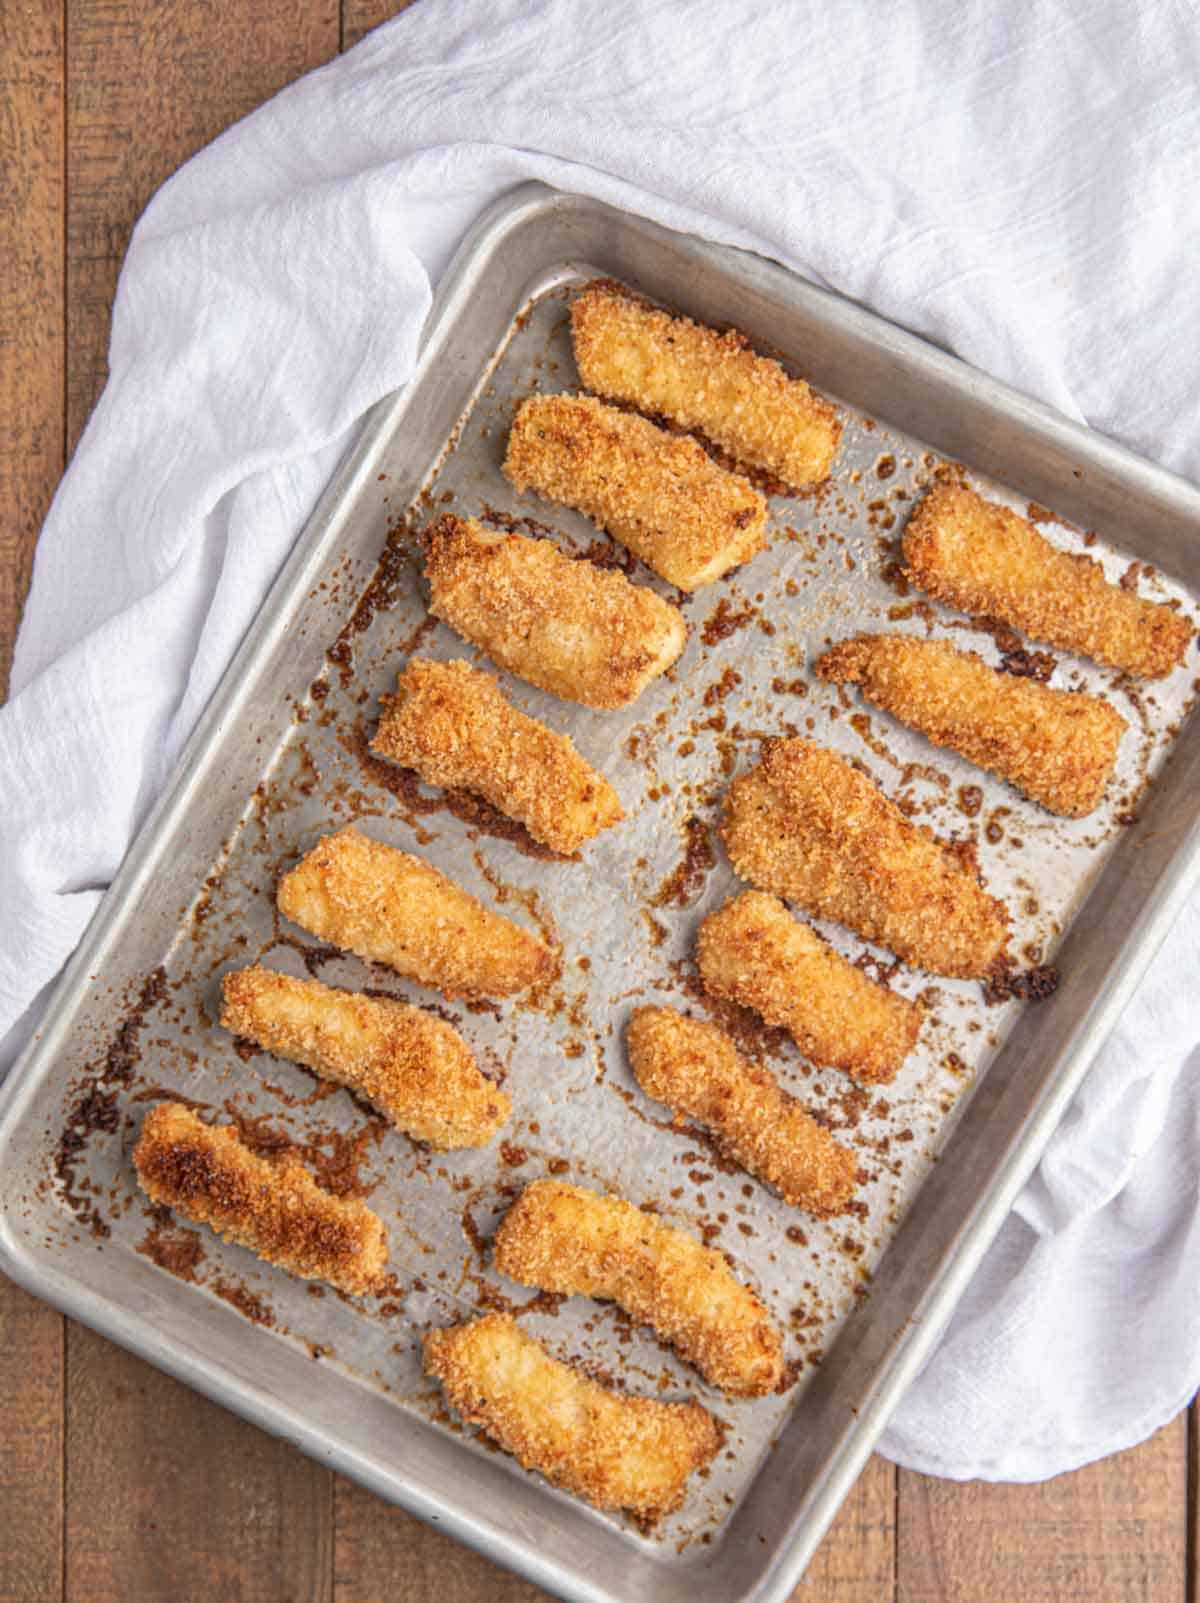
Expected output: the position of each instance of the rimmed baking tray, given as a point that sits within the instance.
(278, 758)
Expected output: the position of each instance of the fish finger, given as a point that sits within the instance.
(454, 725)
(660, 494)
(753, 952)
(614, 1450)
(714, 383)
(980, 557)
(387, 906)
(698, 1072)
(806, 825)
(274, 1207)
(582, 632)
(415, 1068)
(1057, 746)
(566, 1239)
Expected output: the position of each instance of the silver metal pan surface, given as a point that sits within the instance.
(279, 759)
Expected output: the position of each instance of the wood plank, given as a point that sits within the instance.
(360, 16)
(31, 1463)
(856, 1563)
(32, 446)
(1116, 1529)
(170, 1497)
(167, 1496)
(381, 1552)
(32, 355)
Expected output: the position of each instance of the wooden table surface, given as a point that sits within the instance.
(117, 1485)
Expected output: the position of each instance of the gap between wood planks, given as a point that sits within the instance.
(115, 1482)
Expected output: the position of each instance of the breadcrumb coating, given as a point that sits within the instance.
(387, 906)
(1057, 746)
(714, 383)
(454, 725)
(753, 952)
(982, 558)
(581, 632)
(415, 1068)
(697, 1071)
(275, 1208)
(806, 825)
(660, 494)
(614, 1450)
(567, 1239)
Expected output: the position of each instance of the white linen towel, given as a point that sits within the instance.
(1016, 182)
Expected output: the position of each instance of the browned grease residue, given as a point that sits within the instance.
(686, 880)
(724, 621)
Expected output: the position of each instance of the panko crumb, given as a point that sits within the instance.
(1057, 746)
(712, 383)
(454, 725)
(659, 494)
(567, 1239)
(415, 1068)
(981, 557)
(614, 1450)
(695, 1069)
(275, 1208)
(388, 906)
(806, 825)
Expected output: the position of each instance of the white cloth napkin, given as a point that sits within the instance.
(1017, 182)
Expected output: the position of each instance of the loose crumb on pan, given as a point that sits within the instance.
(388, 906)
(806, 825)
(414, 1067)
(612, 1449)
(659, 494)
(1057, 746)
(694, 1068)
(566, 1239)
(981, 557)
(453, 724)
(714, 383)
(579, 631)
(275, 1208)
(753, 952)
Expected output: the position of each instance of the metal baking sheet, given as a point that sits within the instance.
(280, 758)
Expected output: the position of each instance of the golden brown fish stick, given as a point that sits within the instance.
(581, 632)
(454, 725)
(713, 383)
(275, 1208)
(617, 1451)
(698, 1072)
(980, 557)
(660, 494)
(753, 952)
(387, 906)
(1057, 746)
(567, 1239)
(808, 826)
(415, 1068)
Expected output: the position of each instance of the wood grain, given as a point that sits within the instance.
(360, 16)
(32, 338)
(381, 1552)
(856, 1563)
(31, 1449)
(1114, 1530)
(32, 450)
(170, 1497)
